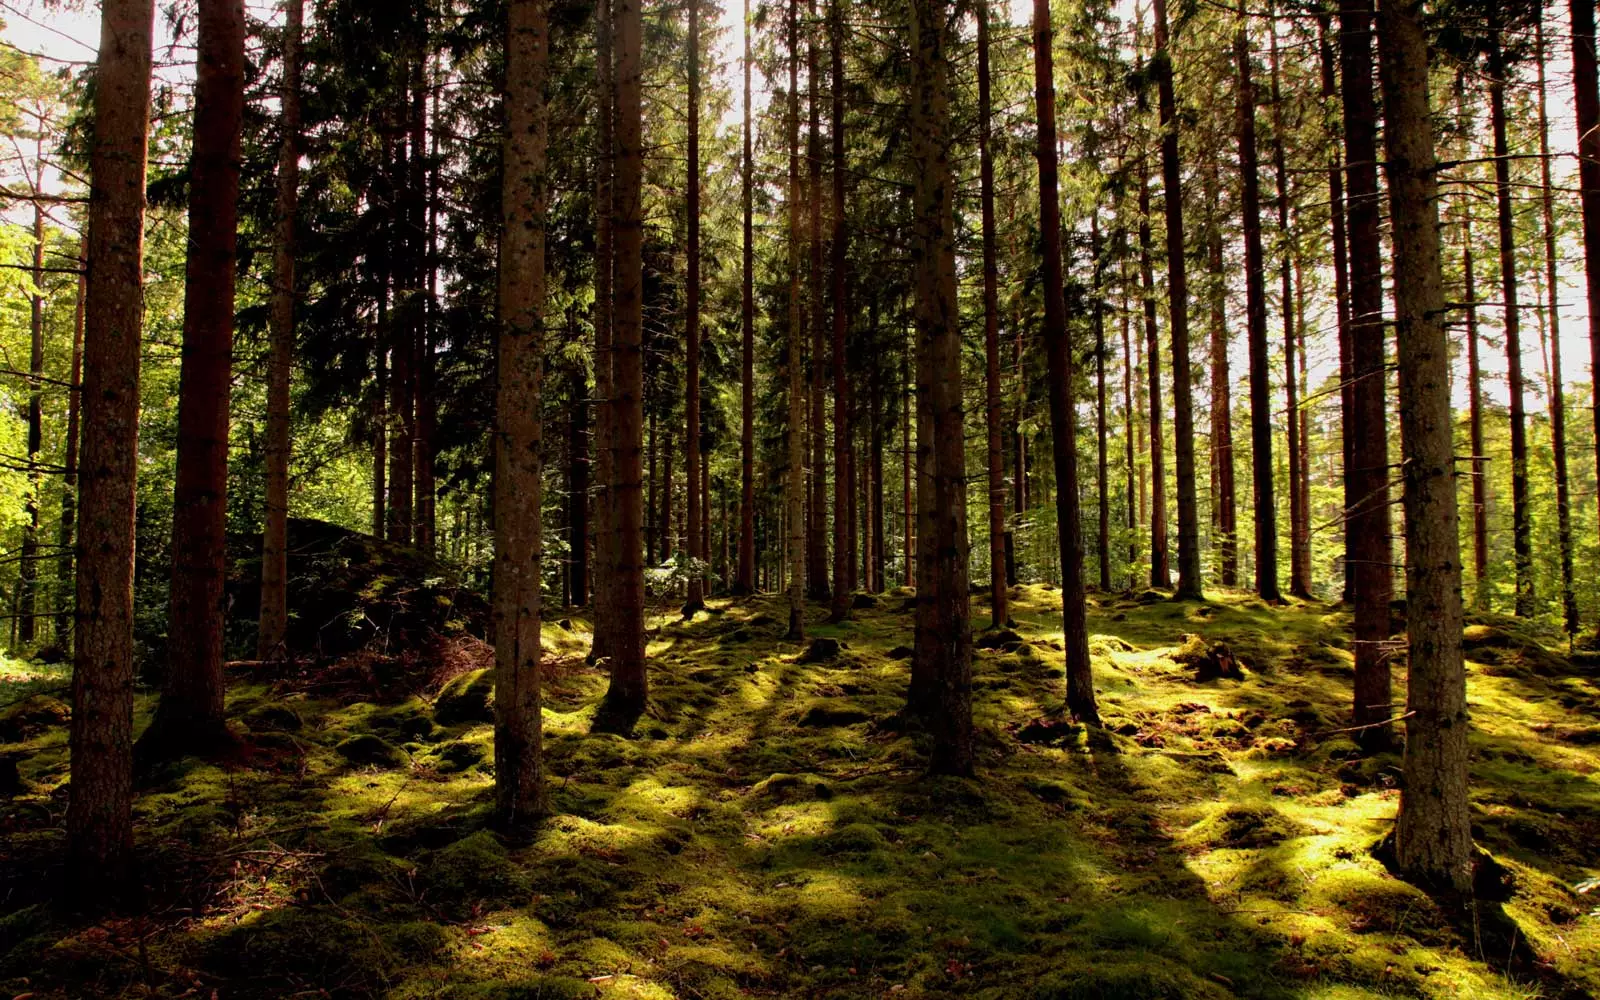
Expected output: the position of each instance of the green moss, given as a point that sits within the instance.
(475, 872)
(468, 698)
(366, 749)
(1119, 977)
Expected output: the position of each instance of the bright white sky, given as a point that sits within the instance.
(70, 31)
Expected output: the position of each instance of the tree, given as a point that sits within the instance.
(1433, 837)
(1063, 420)
(1266, 527)
(607, 625)
(746, 582)
(691, 437)
(190, 714)
(518, 730)
(794, 432)
(943, 647)
(1224, 490)
(817, 508)
(842, 492)
(1586, 102)
(998, 595)
(100, 810)
(1367, 507)
(274, 620)
(1189, 583)
(629, 689)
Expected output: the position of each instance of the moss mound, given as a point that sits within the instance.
(468, 698)
(367, 750)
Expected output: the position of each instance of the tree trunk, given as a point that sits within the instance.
(518, 730)
(1367, 511)
(66, 534)
(944, 634)
(746, 582)
(1102, 463)
(1131, 488)
(1586, 101)
(380, 409)
(998, 596)
(578, 484)
(795, 446)
(274, 621)
(1341, 280)
(402, 446)
(1521, 514)
(190, 715)
(1433, 837)
(1299, 525)
(100, 808)
(427, 391)
(1476, 470)
(1063, 419)
(1189, 582)
(817, 586)
(417, 229)
(629, 688)
(606, 623)
(28, 567)
(691, 438)
(1266, 528)
(908, 538)
(1226, 501)
(1160, 567)
(843, 558)
(1556, 386)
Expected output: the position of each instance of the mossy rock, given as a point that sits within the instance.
(32, 716)
(409, 720)
(902, 653)
(468, 698)
(273, 717)
(1244, 826)
(300, 944)
(997, 639)
(458, 755)
(473, 870)
(854, 840)
(821, 650)
(782, 787)
(366, 749)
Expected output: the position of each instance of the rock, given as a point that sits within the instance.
(821, 650)
(902, 653)
(822, 716)
(459, 755)
(468, 698)
(1150, 597)
(997, 639)
(273, 718)
(907, 605)
(31, 716)
(863, 601)
(375, 751)
(1210, 661)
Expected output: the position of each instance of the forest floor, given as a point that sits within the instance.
(769, 830)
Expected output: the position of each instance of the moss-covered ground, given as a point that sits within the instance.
(769, 831)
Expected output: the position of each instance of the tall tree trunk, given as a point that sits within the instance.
(880, 550)
(1189, 582)
(1226, 501)
(189, 717)
(28, 567)
(1469, 292)
(1341, 277)
(427, 405)
(1367, 511)
(380, 408)
(417, 230)
(908, 537)
(402, 411)
(817, 508)
(746, 582)
(1521, 514)
(606, 623)
(274, 621)
(1063, 419)
(1266, 514)
(67, 532)
(100, 808)
(794, 434)
(518, 729)
(843, 557)
(578, 484)
(944, 633)
(1131, 488)
(1586, 102)
(1160, 567)
(1433, 837)
(629, 688)
(1102, 463)
(691, 438)
(1000, 612)
(1299, 525)
(1556, 387)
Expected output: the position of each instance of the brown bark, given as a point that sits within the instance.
(189, 717)
(794, 433)
(427, 405)
(691, 438)
(274, 620)
(1266, 528)
(518, 729)
(578, 485)
(100, 809)
(1555, 387)
(605, 511)
(1224, 483)
(1433, 837)
(402, 410)
(625, 698)
(1586, 101)
(817, 586)
(1521, 513)
(1102, 462)
(1000, 613)
(1160, 567)
(746, 582)
(1341, 277)
(1469, 292)
(843, 558)
(1063, 421)
(1367, 511)
(422, 481)
(67, 531)
(28, 567)
(1189, 581)
(1131, 487)
(943, 635)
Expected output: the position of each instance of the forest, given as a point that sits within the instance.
(511, 499)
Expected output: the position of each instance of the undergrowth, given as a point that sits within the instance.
(768, 831)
